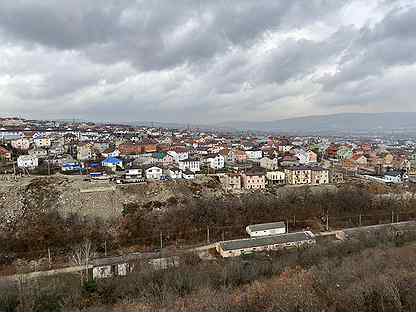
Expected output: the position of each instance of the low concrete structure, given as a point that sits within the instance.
(265, 229)
(240, 247)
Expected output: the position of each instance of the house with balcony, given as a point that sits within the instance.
(253, 180)
(192, 164)
(298, 175)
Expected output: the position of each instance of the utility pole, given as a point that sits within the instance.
(105, 248)
(392, 216)
(49, 165)
(359, 220)
(49, 257)
(327, 221)
(161, 241)
(14, 171)
(208, 234)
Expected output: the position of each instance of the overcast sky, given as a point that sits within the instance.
(205, 61)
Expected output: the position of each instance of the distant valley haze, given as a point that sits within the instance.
(336, 123)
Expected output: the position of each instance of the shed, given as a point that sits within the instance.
(265, 229)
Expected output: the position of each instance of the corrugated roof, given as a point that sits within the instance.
(266, 226)
(265, 241)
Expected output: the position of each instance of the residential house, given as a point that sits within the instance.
(312, 156)
(336, 177)
(284, 148)
(38, 152)
(21, 144)
(231, 181)
(359, 160)
(193, 164)
(237, 155)
(215, 161)
(129, 149)
(27, 162)
(111, 152)
(56, 150)
(112, 162)
(84, 152)
(301, 155)
(254, 154)
(319, 175)
(388, 159)
(42, 142)
(5, 154)
(289, 161)
(344, 152)
(269, 164)
(331, 152)
(179, 153)
(298, 175)
(174, 173)
(188, 175)
(153, 173)
(253, 180)
(163, 158)
(275, 177)
(71, 166)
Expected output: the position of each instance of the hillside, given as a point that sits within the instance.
(336, 123)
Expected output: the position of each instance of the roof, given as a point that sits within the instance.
(112, 160)
(393, 173)
(266, 241)
(294, 168)
(266, 226)
(4, 150)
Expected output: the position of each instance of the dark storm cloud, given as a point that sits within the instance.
(111, 31)
(205, 60)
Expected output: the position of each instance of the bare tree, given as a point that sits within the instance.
(82, 254)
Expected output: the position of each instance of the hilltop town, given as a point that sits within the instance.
(112, 202)
(241, 161)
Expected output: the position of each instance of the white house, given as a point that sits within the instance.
(153, 173)
(174, 173)
(268, 163)
(21, 144)
(192, 164)
(179, 155)
(265, 229)
(254, 154)
(27, 161)
(38, 152)
(215, 161)
(42, 142)
(111, 152)
(188, 175)
(276, 177)
(303, 157)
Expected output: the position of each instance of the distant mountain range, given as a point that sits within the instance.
(336, 123)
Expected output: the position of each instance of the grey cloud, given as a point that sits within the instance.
(391, 42)
(110, 31)
(201, 60)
